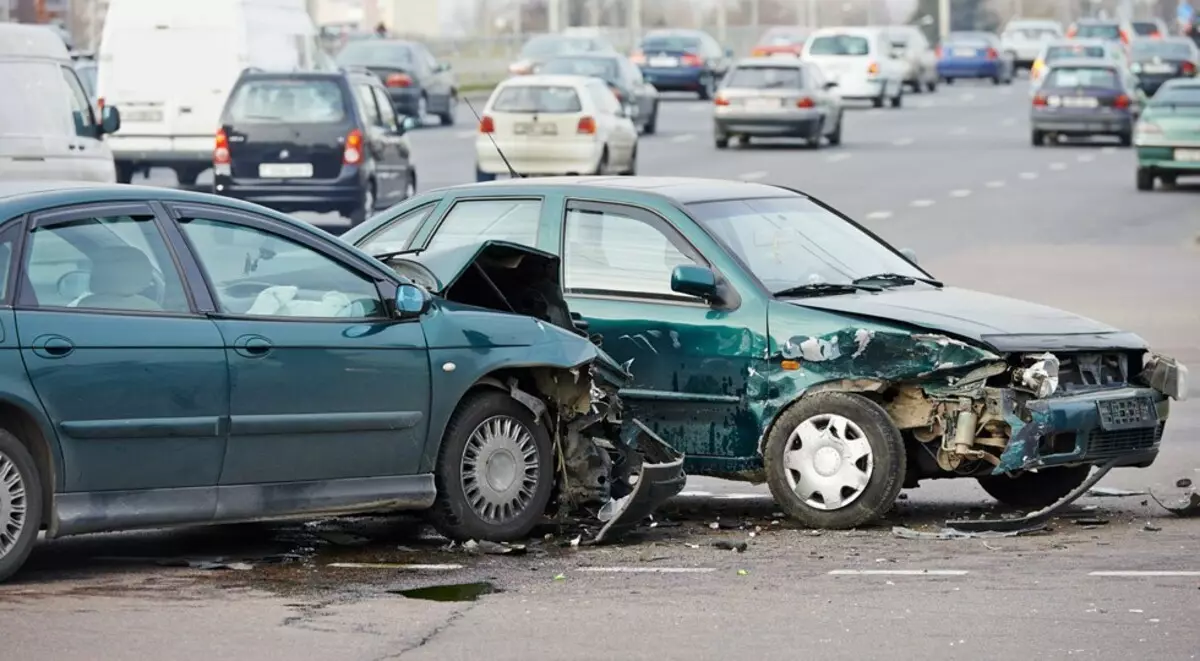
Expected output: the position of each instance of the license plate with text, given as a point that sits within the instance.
(285, 170)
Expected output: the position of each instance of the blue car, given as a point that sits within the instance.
(974, 55)
(682, 61)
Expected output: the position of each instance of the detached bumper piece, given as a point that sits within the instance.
(658, 478)
(1033, 518)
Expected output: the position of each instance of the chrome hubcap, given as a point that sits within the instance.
(500, 469)
(12, 505)
(829, 461)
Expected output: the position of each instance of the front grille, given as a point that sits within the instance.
(1109, 444)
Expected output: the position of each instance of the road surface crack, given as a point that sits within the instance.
(428, 638)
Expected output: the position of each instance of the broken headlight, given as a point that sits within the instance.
(1040, 377)
(1167, 375)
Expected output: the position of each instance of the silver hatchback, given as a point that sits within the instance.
(777, 97)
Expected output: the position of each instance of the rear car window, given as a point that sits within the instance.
(680, 44)
(1082, 77)
(1059, 52)
(967, 41)
(1145, 28)
(375, 52)
(1177, 95)
(596, 67)
(555, 45)
(537, 98)
(288, 101)
(765, 78)
(45, 101)
(840, 44)
(1098, 32)
(1170, 49)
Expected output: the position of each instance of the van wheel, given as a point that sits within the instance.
(495, 470)
(366, 205)
(1145, 179)
(188, 176)
(124, 173)
(899, 98)
(20, 504)
(1034, 490)
(834, 460)
(931, 85)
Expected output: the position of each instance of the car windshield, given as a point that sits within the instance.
(87, 76)
(1059, 52)
(1082, 77)
(45, 108)
(537, 98)
(840, 44)
(597, 67)
(287, 101)
(1098, 31)
(766, 78)
(1177, 95)
(1180, 50)
(1144, 28)
(793, 241)
(551, 45)
(376, 52)
(671, 43)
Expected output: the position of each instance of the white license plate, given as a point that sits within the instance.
(285, 170)
(1190, 155)
(1158, 68)
(142, 115)
(763, 104)
(657, 62)
(1079, 102)
(533, 128)
(964, 52)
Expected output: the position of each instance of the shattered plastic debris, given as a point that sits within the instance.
(1150, 527)
(209, 563)
(951, 533)
(342, 538)
(1107, 492)
(1040, 516)
(393, 565)
(1188, 507)
(1090, 521)
(740, 547)
(493, 548)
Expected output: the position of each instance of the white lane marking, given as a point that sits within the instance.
(999, 183)
(902, 142)
(1028, 175)
(387, 565)
(1140, 574)
(898, 572)
(1108, 150)
(1011, 121)
(648, 570)
(752, 176)
(837, 157)
(1058, 166)
(879, 215)
(462, 135)
(962, 192)
(696, 494)
(958, 130)
(1085, 158)
(922, 203)
(685, 137)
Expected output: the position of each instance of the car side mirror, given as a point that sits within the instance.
(408, 124)
(442, 66)
(692, 280)
(110, 119)
(411, 301)
(909, 254)
(831, 84)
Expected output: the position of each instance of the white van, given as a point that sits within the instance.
(49, 130)
(862, 61)
(170, 64)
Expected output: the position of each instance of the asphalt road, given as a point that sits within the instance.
(951, 175)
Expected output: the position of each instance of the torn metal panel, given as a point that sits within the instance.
(1038, 517)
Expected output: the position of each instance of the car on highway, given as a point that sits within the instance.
(1071, 49)
(682, 61)
(418, 84)
(1024, 38)
(1099, 28)
(1155, 61)
(621, 75)
(861, 62)
(779, 341)
(781, 40)
(910, 46)
(974, 55)
(269, 370)
(1147, 29)
(546, 46)
(1085, 98)
(313, 142)
(51, 130)
(777, 97)
(1166, 136)
(539, 125)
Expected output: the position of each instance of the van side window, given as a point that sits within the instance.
(81, 107)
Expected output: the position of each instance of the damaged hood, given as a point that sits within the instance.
(1001, 323)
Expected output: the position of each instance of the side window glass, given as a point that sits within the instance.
(611, 252)
(259, 274)
(366, 103)
(108, 263)
(475, 220)
(395, 235)
(81, 107)
(386, 110)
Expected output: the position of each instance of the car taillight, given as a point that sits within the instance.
(721, 101)
(692, 61)
(638, 57)
(873, 68)
(221, 148)
(1039, 100)
(398, 80)
(352, 155)
(1124, 37)
(992, 54)
(938, 51)
(587, 126)
(1121, 101)
(522, 68)
(1073, 31)
(486, 125)
(805, 102)
(1189, 69)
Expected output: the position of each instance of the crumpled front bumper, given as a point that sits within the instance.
(659, 478)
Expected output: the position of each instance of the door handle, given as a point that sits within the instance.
(52, 346)
(252, 346)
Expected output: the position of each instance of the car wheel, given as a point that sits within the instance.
(652, 123)
(188, 176)
(931, 85)
(1145, 179)
(447, 118)
(495, 471)
(410, 188)
(899, 98)
(1126, 139)
(632, 169)
(1038, 138)
(706, 87)
(878, 101)
(20, 504)
(366, 205)
(124, 173)
(721, 141)
(834, 460)
(948, 81)
(814, 141)
(835, 138)
(996, 80)
(1034, 490)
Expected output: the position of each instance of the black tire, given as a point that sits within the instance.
(878, 101)
(21, 461)
(652, 123)
(603, 164)
(1038, 138)
(365, 207)
(835, 138)
(1145, 179)
(887, 450)
(898, 100)
(1034, 490)
(124, 173)
(916, 86)
(187, 176)
(948, 81)
(631, 171)
(1126, 139)
(721, 141)
(452, 513)
(931, 85)
(997, 80)
(447, 118)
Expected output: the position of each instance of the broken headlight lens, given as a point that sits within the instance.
(1168, 376)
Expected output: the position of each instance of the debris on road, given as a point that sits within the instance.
(1107, 492)
(394, 565)
(1188, 507)
(724, 545)
(951, 533)
(339, 538)
(1150, 527)
(493, 548)
(1038, 517)
(1090, 521)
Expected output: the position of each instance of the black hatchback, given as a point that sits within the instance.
(1155, 61)
(323, 142)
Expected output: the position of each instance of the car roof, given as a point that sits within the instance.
(546, 79)
(674, 32)
(269, 74)
(18, 40)
(860, 31)
(1090, 41)
(589, 55)
(681, 190)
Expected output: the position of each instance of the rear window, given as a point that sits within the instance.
(537, 98)
(766, 78)
(376, 52)
(596, 67)
(1177, 95)
(968, 41)
(1032, 33)
(1098, 32)
(840, 44)
(681, 44)
(1060, 52)
(45, 103)
(1082, 77)
(1144, 28)
(549, 45)
(287, 101)
(1171, 49)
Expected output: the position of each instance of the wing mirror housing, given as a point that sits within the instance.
(407, 124)
(411, 301)
(693, 280)
(110, 119)
(831, 84)
(909, 254)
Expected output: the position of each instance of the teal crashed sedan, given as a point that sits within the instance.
(175, 358)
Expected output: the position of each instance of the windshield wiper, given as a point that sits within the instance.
(385, 256)
(896, 279)
(822, 289)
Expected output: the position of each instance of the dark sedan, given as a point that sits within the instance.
(1084, 98)
(683, 61)
(418, 84)
(622, 77)
(1155, 61)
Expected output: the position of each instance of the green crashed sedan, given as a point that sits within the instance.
(1167, 135)
(772, 339)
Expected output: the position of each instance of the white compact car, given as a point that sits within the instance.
(861, 61)
(554, 125)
